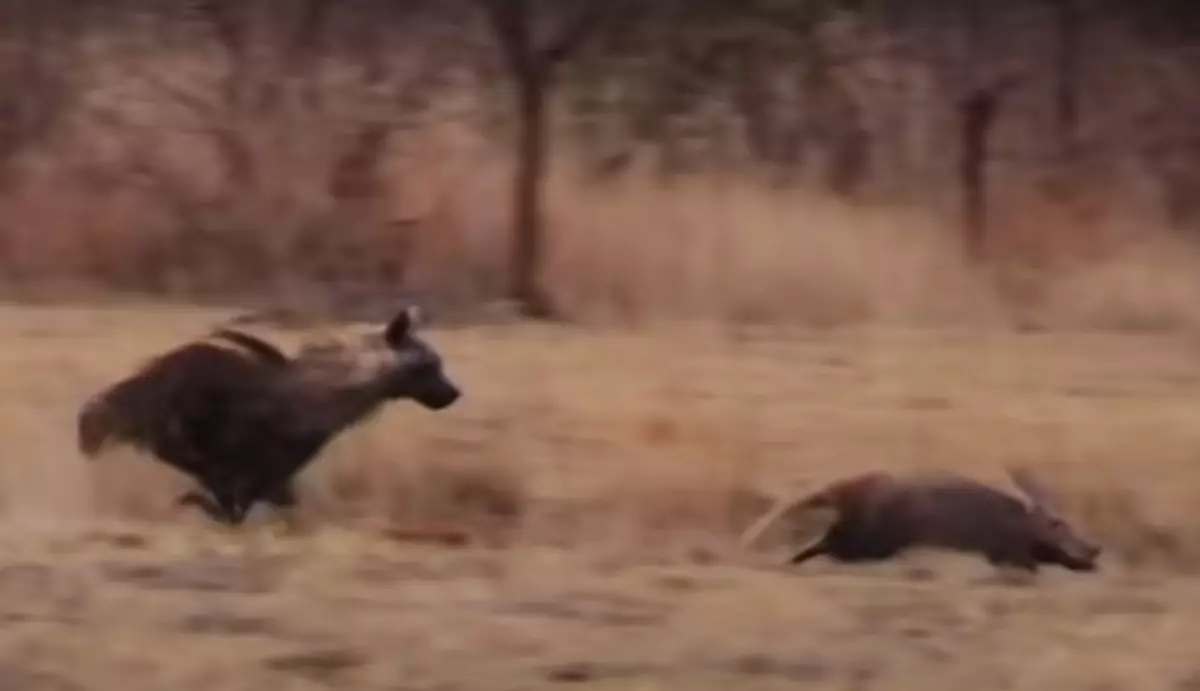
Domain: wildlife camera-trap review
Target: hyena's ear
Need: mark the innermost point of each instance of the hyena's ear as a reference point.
(402, 325)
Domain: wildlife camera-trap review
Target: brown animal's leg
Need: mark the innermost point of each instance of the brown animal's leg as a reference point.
(1024, 561)
(814, 550)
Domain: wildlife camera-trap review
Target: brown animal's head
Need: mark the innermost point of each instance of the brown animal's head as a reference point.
(1056, 541)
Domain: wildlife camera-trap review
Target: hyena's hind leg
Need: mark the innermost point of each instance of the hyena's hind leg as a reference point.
(283, 499)
(228, 511)
(278, 494)
(229, 497)
(221, 496)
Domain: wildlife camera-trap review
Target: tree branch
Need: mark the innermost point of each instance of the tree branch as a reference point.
(582, 26)
(198, 105)
(225, 25)
(510, 22)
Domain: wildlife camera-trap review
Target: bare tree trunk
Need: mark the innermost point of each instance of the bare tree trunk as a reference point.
(977, 112)
(527, 222)
(531, 67)
(1067, 30)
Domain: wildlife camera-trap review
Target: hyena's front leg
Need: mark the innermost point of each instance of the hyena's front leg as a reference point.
(283, 496)
(280, 495)
(224, 499)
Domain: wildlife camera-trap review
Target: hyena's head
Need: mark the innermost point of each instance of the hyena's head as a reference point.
(415, 369)
(394, 363)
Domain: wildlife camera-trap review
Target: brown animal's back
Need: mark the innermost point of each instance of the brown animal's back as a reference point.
(879, 515)
(964, 508)
(852, 492)
(934, 509)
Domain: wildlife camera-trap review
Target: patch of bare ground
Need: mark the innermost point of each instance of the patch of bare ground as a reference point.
(601, 477)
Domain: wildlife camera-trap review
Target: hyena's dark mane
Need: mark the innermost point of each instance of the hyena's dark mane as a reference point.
(266, 353)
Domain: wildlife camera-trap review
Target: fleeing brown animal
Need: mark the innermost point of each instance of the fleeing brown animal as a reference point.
(879, 515)
(242, 418)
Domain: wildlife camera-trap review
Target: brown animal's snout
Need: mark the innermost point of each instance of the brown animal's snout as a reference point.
(1083, 560)
(1080, 557)
(1070, 550)
(1089, 554)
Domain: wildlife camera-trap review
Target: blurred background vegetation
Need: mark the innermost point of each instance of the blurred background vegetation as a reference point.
(760, 159)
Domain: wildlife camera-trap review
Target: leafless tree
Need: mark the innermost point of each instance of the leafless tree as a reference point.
(531, 62)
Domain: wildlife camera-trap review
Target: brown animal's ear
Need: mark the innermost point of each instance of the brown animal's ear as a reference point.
(1034, 488)
(402, 325)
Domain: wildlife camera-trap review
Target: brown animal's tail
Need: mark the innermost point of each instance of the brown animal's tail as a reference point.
(821, 498)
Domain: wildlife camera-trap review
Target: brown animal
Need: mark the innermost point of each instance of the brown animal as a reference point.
(879, 515)
(242, 418)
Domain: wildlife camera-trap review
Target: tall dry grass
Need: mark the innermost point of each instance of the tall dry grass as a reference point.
(664, 440)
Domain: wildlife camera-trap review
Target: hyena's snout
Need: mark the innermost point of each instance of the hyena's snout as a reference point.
(435, 391)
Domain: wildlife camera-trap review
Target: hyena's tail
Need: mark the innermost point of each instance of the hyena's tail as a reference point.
(95, 426)
(118, 415)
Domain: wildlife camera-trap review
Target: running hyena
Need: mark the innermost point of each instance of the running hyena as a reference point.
(242, 418)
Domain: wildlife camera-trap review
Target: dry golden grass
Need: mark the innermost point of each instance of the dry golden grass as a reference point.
(632, 458)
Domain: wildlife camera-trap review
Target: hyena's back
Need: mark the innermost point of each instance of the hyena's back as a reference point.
(192, 383)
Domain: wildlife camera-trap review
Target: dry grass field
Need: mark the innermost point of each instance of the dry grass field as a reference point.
(615, 468)
(601, 471)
